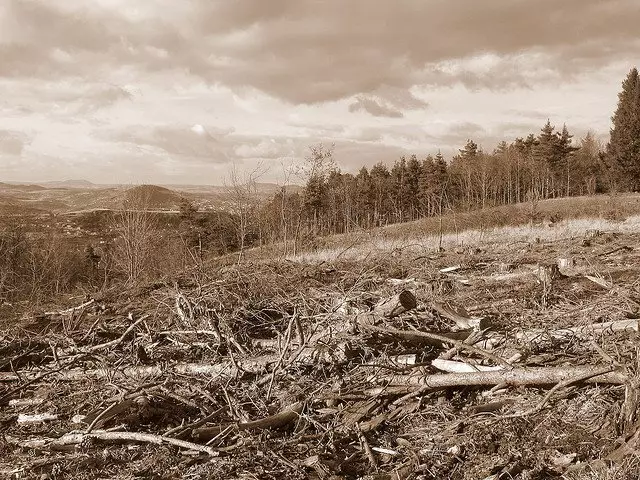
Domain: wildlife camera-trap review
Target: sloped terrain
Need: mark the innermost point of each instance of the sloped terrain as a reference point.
(337, 369)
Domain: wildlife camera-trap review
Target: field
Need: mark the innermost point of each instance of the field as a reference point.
(488, 345)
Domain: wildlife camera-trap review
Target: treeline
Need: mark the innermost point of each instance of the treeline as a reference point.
(546, 165)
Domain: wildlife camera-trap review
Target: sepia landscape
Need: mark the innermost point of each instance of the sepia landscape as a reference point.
(359, 240)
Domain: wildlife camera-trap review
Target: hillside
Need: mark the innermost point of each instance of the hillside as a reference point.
(468, 364)
(153, 196)
(548, 219)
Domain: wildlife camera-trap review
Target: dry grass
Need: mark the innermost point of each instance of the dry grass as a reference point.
(491, 227)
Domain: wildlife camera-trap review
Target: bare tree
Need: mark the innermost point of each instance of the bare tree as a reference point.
(136, 235)
(244, 200)
(287, 171)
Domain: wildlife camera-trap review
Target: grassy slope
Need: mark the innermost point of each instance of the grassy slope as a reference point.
(511, 223)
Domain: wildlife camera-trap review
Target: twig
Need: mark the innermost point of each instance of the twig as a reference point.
(72, 309)
(117, 341)
(280, 360)
(366, 447)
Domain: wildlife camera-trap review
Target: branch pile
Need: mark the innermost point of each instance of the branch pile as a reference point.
(334, 371)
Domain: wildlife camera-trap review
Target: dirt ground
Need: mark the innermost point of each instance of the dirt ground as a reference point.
(298, 370)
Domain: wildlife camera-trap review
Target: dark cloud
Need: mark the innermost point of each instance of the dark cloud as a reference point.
(307, 51)
(13, 143)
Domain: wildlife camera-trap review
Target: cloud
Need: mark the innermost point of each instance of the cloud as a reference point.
(306, 51)
(195, 141)
(12, 142)
(374, 107)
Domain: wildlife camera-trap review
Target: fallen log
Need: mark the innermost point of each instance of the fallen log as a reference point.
(515, 377)
(396, 305)
(225, 368)
(540, 336)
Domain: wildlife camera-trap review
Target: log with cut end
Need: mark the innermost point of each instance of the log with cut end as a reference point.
(396, 305)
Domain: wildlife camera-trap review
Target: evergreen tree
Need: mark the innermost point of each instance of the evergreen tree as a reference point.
(426, 186)
(413, 188)
(400, 189)
(381, 180)
(562, 158)
(623, 149)
(544, 160)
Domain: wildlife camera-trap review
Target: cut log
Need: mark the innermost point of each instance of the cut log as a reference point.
(396, 305)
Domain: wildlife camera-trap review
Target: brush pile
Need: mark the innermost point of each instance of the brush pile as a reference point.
(514, 361)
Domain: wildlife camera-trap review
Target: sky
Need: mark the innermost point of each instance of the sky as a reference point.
(183, 92)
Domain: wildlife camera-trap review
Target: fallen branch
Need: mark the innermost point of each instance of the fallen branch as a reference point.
(228, 369)
(70, 310)
(538, 408)
(126, 437)
(286, 416)
(591, 330)
(514, 377)
(117, 341)
(435, 337)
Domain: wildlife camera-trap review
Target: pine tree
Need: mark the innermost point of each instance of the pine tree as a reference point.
(623, 149)
(380, 178)
(562, 158)
(413, 186)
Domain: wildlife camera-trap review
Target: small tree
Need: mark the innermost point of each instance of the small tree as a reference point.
(136, 236)
(243, 194)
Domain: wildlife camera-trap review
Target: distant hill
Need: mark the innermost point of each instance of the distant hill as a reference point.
(19, 187)
(153, 196)
(79, 183)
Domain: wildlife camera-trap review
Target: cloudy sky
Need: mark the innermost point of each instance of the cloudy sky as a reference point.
(168, 91)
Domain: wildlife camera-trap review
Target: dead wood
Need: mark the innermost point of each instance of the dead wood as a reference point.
(460, 316)
(434, 337)
(72, 309)
(565, 383)
(539, 336)
(396, 305)
(73, 439)
(119, 340)
(226, 369)
(513, 377)
(287, 416)
(461, 367)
